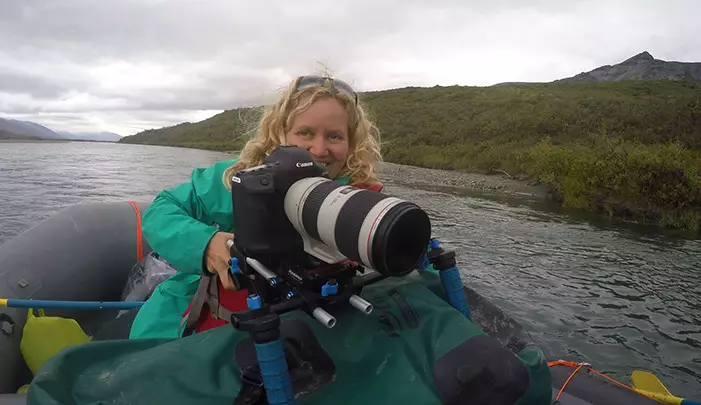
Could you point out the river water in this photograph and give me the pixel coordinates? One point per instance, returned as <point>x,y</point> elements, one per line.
<point>619,297</point>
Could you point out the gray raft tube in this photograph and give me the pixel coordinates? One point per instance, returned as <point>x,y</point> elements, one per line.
<point>86,252</point>
<point>82,253</point>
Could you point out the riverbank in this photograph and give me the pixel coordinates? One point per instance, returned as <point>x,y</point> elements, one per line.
<point>484,183</point>
<point>415,176</point>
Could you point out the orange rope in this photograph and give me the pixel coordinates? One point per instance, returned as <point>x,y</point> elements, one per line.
<point>567,381</point>
<point>139,236</point>
<point>577,366</point>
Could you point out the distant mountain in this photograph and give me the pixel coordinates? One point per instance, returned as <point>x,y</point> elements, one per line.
<point>92,136</point>
<point>515,84</point>
<point>17,129</point>
<point>10,135</point>
<point>27,128</point>
<point>642,66</point>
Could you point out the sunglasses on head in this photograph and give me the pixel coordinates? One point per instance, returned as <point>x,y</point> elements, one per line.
<point>338,85</point>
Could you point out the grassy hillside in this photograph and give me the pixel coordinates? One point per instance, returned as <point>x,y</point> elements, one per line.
<point>226,131</point>
<point>626,149</point>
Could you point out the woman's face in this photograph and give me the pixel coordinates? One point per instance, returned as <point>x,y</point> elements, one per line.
<point>323,130</point>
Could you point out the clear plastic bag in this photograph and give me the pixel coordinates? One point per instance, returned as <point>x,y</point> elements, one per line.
<point>145,276</point>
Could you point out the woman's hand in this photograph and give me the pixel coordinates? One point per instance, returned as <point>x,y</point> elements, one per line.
<point>217,258</point>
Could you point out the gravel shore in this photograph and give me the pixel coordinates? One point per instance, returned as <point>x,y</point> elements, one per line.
<point>414,176</point>
<point>419,176</point>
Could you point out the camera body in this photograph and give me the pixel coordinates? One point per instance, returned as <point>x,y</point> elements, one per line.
<point>287,209</point>
<point>263,230</point>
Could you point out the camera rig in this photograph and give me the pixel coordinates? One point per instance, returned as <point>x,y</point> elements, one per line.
<point>304,242</point>
<point>314,288</point>
<point>307,284</point>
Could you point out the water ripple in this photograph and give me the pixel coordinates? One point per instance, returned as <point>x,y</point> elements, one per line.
<point>614,296</point>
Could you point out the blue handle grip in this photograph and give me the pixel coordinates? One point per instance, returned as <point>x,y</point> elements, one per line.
<point>273,369</point>
<point>452,285</point>
<point>690,402</point>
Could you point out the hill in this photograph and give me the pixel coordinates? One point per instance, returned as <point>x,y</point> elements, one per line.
<point>27,129</point>
<point>225,131</point>
<point>4,135</point>
<point>642,66</point>
<point>17,129</point>
<point>628,149</point>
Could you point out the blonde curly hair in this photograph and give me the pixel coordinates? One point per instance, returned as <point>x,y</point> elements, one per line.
<point>364,144</point>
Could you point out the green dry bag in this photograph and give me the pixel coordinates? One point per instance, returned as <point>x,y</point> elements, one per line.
<point>413,348</point>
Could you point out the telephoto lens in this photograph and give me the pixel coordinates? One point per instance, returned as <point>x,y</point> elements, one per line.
<point>386,234</point>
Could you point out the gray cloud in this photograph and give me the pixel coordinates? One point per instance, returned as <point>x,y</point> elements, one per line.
<point>35,86</point>
<point>126,65</point>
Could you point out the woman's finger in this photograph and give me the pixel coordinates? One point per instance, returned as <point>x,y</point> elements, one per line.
<point>224,276</point>
<point>227,282</point>
<point>210,266</point>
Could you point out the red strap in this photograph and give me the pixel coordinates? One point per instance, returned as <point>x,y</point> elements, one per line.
<point>374,187</point>
<point>234,301</point>
<point>139,236</point>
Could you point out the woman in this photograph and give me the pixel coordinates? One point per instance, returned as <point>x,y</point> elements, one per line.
<point>190,224</point>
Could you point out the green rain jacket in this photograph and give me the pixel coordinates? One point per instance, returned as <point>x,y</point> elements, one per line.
<point>178,226</point>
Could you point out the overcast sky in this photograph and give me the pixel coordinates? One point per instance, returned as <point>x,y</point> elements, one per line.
<point>129,65</point>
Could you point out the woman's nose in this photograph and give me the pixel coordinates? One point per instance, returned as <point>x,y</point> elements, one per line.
<point>318,146</point>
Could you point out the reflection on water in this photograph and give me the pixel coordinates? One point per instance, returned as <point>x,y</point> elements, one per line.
<point>619,297</point>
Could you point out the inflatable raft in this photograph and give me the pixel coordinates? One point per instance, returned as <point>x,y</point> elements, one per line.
<point>86,253</point>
